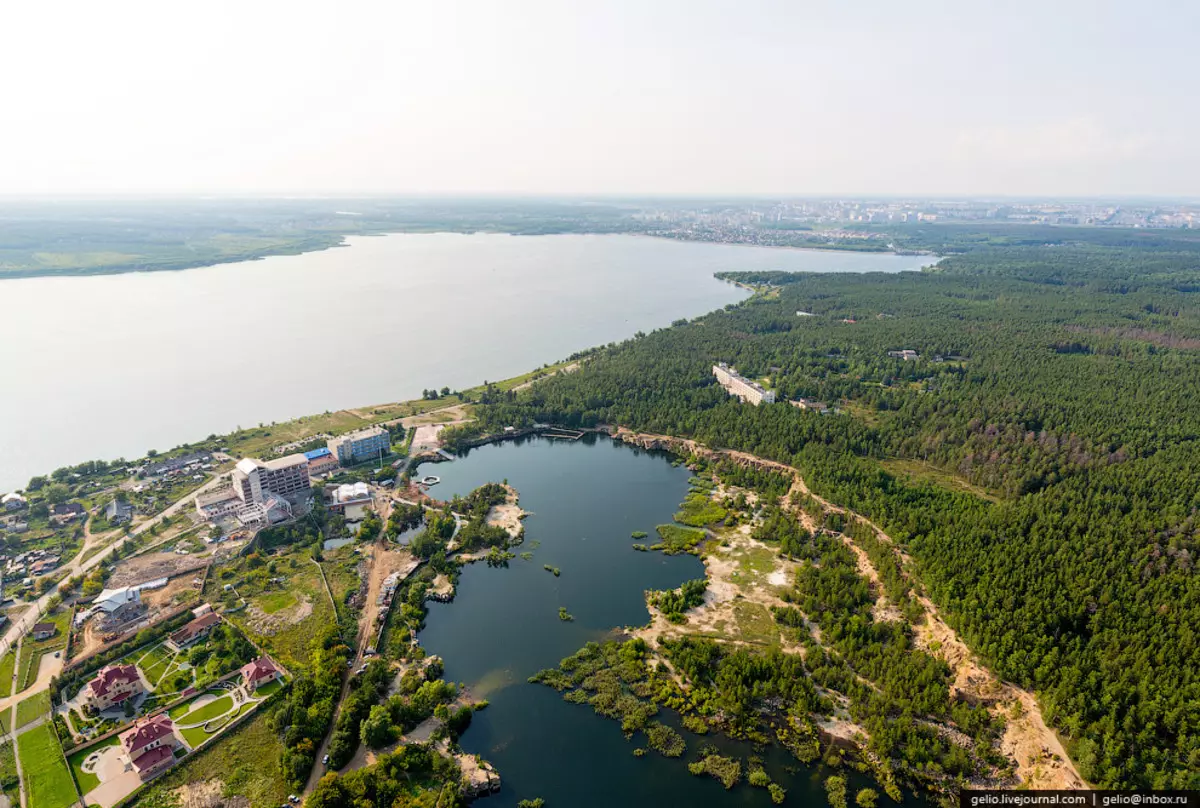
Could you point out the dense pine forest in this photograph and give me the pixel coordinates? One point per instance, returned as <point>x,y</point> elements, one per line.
<point>1039,461</point>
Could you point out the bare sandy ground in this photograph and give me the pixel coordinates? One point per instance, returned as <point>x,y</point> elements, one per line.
<point>1037,753</point>
<point>207,794</point>
<point>508,515</point>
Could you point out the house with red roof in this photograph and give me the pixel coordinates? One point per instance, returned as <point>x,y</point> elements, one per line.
<point>113,685</point>
<point>194,631</point>
<point>150,744</point>
<point>258,673</point>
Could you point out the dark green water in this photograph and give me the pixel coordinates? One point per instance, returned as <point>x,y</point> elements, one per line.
<point>586,497</point>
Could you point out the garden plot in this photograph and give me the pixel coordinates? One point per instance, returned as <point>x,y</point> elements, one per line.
<point>215,709</point>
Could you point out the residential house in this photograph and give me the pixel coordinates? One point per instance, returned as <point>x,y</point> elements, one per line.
<point>65,512</point>
<point>194,631</point>
<point>13,502</point>
<point>258,673</point>
<point>44,631</point>
<point>118,512</point>
<point>43,566</point>
<point>150,744</point>
<point>113,685</point>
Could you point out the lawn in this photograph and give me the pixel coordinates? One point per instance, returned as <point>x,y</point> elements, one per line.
<point>33,708</point>
<point>48,782</point>
<point>678,539</point>
<point>86,780</point>
<point>6,720</point>
<point>270,687</point>
<point>210,710</point>
<point>195,736</point>
<point>245,760</point>
<point>7,663</point>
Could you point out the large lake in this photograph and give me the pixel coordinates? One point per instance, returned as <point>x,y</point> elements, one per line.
<point>110,366</point>
<point>585,497</point>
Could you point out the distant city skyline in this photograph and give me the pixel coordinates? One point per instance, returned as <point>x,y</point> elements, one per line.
<point>763,98</point>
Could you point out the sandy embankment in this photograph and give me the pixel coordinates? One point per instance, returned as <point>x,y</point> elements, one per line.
<point>508,514</point>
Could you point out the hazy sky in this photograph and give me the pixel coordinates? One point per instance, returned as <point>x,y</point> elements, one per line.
<point>619,96</point>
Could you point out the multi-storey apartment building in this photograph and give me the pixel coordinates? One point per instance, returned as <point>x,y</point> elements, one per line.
<point>364,444</point>
<point>737,385</point>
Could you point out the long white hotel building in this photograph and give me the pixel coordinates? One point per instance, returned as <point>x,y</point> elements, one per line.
<point>737,385</point>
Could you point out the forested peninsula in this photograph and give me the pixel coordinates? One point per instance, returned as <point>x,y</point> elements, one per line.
<point>1033,455</point>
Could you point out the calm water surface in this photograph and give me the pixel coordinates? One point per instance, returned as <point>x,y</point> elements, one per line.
<point>110,366</point>
<point>586,498</point>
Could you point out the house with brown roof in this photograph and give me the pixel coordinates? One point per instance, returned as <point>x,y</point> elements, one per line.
<point>194,631</point>
<point>150,744</point>
<point>113,685</point>
<point>44,631</point>
<point>258,673</point>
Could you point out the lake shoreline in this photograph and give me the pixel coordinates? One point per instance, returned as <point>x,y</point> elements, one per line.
<point>335,242</point>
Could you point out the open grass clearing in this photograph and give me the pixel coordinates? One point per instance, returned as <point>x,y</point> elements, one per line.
<point>48,782</point>
<point>272,602</point>
<point>32,708</point>
<point>919,471</point>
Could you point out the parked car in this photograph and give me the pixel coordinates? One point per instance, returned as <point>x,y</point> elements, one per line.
<point>325,760</point>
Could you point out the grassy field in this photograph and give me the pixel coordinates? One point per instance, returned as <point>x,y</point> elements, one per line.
<point>289,642</point>
<point>86,780</point>
<point>7,663</point>
<point>918,471</point>
<point>6,716</point>
<point>8,774</point>
<point>275,601</point>
<point>48,782</point>
<point>245,761</point>
<point>33,707</point>
<point>258,441</point>
<point>341,571</point>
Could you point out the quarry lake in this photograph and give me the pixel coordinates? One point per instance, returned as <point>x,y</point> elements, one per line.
<point>585,498</point>
<point>110,366</point>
